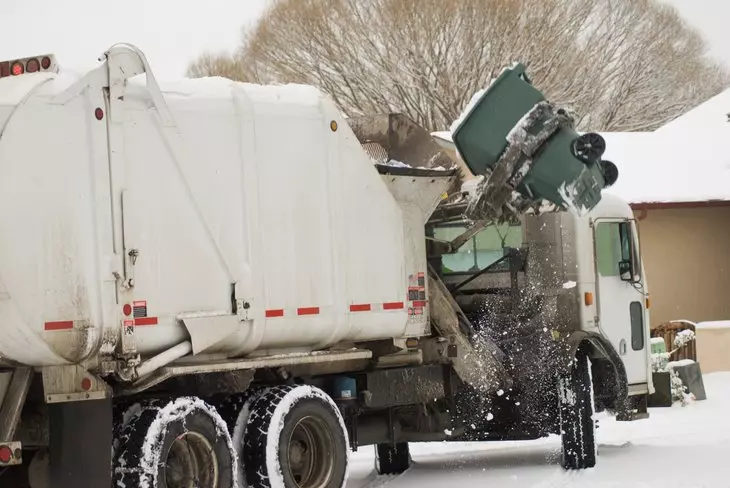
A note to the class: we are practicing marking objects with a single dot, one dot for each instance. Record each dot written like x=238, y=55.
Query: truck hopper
x=405, y=154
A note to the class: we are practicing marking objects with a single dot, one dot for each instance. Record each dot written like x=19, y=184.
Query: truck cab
x=587, y=271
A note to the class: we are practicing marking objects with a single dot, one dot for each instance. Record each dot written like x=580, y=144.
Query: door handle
x=622, y=347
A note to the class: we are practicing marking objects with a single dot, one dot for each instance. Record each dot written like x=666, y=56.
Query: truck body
x=225, y=266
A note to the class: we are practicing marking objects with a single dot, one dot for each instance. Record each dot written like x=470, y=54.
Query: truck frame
x=516, y=340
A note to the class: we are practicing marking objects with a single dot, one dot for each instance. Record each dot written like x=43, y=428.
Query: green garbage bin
x=522, y=143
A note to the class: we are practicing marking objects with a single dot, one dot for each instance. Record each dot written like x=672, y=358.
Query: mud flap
x=80, y=444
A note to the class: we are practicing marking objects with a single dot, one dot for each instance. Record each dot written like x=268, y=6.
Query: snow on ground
x=687, y=447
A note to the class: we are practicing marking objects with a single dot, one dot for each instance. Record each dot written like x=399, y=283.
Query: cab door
x=621, y=296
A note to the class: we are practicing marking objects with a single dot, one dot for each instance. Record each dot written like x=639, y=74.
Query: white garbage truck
x=214, y=284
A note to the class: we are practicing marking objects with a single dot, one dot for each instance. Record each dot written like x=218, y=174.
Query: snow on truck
x=216, y=284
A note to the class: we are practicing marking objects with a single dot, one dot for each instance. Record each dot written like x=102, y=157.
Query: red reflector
x=17, y=69
x=99, y=114
x=145, y=321
x=62, y=325
x=127, y=309
x=86, y=384
x=46, y=62
x=33, y=66
x=6, y=455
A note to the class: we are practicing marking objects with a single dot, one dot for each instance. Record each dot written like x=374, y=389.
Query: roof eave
x=674, y=205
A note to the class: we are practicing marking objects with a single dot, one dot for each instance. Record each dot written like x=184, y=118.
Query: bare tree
x=624, y=65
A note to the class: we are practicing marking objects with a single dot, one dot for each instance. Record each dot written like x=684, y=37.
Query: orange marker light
x=588, y=298
x=648, y=302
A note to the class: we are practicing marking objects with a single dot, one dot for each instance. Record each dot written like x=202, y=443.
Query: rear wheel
x=392, y=459
x=295, y=438
x=577, y=425
x=235, y=411
x=183, y=444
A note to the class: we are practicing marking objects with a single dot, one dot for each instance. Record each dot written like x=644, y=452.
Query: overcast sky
x=712, y=18
x=171, y=33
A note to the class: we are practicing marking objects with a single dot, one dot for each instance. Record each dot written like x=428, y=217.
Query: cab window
x=613, y=247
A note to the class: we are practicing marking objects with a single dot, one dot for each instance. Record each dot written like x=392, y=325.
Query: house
x=677, y=179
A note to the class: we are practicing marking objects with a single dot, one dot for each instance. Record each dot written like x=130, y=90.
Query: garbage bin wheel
x=589, y=147
x=610, y=172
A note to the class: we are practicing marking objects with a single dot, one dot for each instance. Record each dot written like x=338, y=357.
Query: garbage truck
x=217, y=284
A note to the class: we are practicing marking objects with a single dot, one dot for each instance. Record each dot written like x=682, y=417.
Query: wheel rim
x=310, y=459
x=191, y=463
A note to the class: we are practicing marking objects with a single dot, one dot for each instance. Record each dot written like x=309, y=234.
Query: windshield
x=482, y=250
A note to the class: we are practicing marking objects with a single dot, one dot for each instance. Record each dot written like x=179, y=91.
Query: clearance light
x=33, y=66
x=648, y=302
x=588, y=298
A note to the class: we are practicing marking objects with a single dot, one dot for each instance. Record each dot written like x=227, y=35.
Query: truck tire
x=577, y=426
x=235, y=411
x=125, y=413
x=295, y=438
x=184, y=443
x=392, y=459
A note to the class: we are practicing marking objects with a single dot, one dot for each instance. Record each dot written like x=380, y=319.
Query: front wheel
x=577, y=426
x=295, y=438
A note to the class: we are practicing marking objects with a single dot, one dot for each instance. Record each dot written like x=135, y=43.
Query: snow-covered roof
x=685, y=161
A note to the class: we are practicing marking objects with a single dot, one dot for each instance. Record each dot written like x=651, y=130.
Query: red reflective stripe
x=393, y=306
x=308, y=311
x=145, y=321
x=365, y=307
x=419, y=303
x=270, y=314
x=63, y=325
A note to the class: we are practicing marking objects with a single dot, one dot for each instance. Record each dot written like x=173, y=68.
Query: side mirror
x=630, y=266
x=626, y=270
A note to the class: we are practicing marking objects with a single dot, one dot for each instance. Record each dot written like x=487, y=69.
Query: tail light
x=11, y=454
x=30, y=65
x=17, y=69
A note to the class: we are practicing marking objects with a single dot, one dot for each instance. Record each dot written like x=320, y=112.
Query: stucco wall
x=687, y=259
x=713, y=349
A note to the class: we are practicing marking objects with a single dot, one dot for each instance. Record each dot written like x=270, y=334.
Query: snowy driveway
x=676, y=447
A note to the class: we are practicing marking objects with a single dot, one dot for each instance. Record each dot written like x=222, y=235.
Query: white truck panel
x=249, y=196
x=50, y=241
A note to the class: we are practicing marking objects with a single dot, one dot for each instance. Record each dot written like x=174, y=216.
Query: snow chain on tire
x=151, y=439
x=235, y=410
x=575, y=394
x=277, y=419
